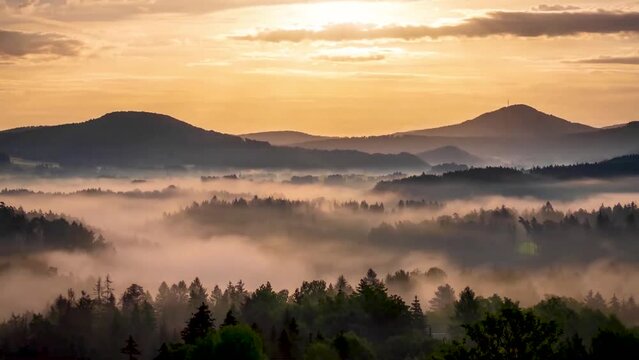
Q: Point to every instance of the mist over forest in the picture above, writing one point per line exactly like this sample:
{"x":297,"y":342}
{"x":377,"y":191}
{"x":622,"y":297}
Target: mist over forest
{"x":284,"y":229}
{"x":362,"y":257}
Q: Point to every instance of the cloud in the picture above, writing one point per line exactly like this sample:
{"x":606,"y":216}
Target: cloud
{"x":621,"y":60}
{"x":106,"y":10}
{"x":18,"y":44}
{"x":544,"y":7}
{"x":521,"y":24}
{"x":351,"y":58}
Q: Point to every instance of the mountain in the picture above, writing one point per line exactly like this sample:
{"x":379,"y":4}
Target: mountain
{"x":511,"y":121}
{"x":283,"y":138}
{"x":148,"y":140}
{"x":449,"y":154}
{"x":562,"y":142}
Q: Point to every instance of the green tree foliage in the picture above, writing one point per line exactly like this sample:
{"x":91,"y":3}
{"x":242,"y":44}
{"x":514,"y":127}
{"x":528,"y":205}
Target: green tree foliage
{"x":510,"y":334}
{"x":237,"y":342}
{"x":468,"y":307}
{"x":351,"y":347}
{"x":320,"y":351}
{"x":317,"y":321}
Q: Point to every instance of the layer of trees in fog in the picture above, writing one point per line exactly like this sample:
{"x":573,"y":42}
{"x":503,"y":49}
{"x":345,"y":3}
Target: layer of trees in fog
{"x":22,"y":232}
{"x":167,"y":192}
{"x":318,"y":321}
{"x":277,"y":216}
{"x":540,"y":182}
{"x":507,"y":236}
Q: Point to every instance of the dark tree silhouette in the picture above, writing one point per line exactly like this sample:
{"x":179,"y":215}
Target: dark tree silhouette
{"x":130,"y":349}
{"x":230,"y":319}
{"x":199,"y":325}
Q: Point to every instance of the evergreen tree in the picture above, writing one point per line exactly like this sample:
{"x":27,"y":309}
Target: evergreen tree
{"x":197,"y":294}
{"x":230,"y":319}
{"x":199,"y":325}
{"x":467,"y":308}
{"x":417,"y":314}
{"x":130,"y":349}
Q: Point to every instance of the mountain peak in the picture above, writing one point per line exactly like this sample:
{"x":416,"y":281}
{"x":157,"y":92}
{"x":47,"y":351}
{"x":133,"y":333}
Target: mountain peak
{"x":518,"y":109}
{"x":515,"y":121}
{"x":138,"y":117}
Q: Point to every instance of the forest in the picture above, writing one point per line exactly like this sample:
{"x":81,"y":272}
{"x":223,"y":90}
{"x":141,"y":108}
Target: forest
{"x":505,"y":180}
{"x":22,"y":232}
{"x":319,"y":321}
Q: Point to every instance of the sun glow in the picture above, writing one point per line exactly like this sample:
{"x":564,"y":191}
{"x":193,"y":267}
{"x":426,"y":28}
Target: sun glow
{"x":321,"y":14}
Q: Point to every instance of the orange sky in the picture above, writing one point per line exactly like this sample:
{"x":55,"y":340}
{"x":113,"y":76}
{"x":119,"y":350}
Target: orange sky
{"x":336,"y":68}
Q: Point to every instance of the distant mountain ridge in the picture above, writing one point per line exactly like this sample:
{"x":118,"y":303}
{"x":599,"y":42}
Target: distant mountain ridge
{"x":449,"y":154}
{"x":149,"y":140}
{"x":547,"y":140}
{"x":511,"y":121}
{"x":283,"y":138}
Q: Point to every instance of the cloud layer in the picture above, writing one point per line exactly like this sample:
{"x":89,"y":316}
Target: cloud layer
{"x":619,"y":60}
{"x":521,"y":24}
{"x":18,"y":44}
{"x":107,"y":10}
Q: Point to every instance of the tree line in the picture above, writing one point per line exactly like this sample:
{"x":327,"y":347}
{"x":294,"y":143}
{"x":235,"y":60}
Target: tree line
{"x":316,"y":321}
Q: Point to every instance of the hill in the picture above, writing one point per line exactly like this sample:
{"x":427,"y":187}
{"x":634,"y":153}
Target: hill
{"x":449,"y":154}
{"x":283,"y":138}
{"x":627,"y":165}
{"x":511,"y":121}
{"x":148,"y":140}
{"x":509,"y":181}
{"x":544,"y":148}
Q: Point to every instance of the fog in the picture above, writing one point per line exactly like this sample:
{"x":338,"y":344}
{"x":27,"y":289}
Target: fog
{"x":152,"y":241}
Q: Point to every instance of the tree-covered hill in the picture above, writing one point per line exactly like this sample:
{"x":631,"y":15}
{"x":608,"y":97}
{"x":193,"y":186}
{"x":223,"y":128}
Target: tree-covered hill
{"x":22,"y":232}
{"x":147,"y":140}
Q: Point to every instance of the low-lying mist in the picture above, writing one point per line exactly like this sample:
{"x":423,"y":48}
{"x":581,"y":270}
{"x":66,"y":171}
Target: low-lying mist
{"x":175,"y":228}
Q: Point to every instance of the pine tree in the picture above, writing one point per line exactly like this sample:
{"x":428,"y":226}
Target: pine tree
{"x":98,"y":290}
{"x":230,"y":319}
{"x":131,"y":348}
{"x":417,"y":314}
{"x":615,"y":305}
{"x":199,"y":325}
{"x":197,"y":294}
{"x":467,"y":309}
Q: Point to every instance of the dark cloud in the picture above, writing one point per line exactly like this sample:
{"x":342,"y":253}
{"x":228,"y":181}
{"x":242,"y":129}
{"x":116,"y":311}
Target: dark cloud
{"x":18,"y":44}
{"x":544,"y":7}
{"x":621,"y":60}
{"x":522,"y":24}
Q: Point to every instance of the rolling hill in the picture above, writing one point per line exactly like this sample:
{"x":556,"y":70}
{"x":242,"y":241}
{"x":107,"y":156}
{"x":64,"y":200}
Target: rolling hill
{"x":148,"y":140}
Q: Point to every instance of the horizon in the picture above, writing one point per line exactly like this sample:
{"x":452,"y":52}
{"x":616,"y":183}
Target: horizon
{"x":188,"y":121}
{"x":333,"y":68}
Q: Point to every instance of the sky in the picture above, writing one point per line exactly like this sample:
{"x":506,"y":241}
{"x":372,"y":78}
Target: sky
{"x":323,"y":67}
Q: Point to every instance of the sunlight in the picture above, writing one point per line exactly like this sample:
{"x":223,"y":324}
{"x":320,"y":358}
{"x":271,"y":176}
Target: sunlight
{"x":347,"y":12}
